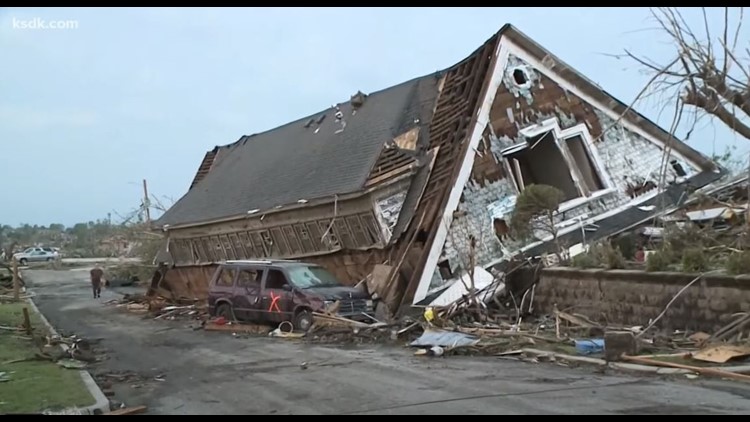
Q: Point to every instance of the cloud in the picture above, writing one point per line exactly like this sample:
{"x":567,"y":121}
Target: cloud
{"x":26,"y":117}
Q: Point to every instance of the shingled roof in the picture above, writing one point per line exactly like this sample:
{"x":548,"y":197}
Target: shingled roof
{"x":304,"y":159}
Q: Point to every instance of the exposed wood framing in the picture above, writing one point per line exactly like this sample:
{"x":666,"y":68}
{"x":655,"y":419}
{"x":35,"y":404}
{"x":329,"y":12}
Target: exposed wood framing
{"x":451,"y":125}
{"x":205,"y":167}
{"x":292,"y":240}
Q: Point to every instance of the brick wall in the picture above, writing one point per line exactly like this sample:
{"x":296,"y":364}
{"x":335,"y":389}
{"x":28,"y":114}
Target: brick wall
{"x":634,"y":297}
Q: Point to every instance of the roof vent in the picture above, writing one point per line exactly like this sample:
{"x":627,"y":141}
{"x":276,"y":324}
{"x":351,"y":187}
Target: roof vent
{"x":309,"y":123}
{"x":358,"y":99}
{"x":320,"y":119}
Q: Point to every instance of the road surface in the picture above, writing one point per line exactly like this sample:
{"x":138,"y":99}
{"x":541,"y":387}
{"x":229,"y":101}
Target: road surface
{"x":213,"y":373}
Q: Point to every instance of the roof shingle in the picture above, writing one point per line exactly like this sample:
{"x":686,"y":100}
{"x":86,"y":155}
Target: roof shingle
{"x":293,"y":162}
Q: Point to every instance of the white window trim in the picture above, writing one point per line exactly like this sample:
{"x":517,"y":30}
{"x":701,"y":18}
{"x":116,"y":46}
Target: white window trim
{"x":518,"y":51}
{"x":560,"y":136}
{"x":576,"y":202}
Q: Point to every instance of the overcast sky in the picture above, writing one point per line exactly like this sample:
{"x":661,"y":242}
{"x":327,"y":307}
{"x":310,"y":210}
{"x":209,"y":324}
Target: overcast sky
{"x":87,"y":113}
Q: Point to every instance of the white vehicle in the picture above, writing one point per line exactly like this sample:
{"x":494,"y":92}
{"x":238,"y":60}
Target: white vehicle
{"x":36,"y":255}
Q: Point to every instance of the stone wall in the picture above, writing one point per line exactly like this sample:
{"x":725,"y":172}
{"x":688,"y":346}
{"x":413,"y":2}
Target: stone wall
{"x":635,"y":297}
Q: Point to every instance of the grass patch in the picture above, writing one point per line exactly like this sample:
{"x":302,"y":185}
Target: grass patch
{"x":34,"y":386}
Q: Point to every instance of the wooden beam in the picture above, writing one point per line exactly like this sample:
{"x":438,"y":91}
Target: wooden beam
{"x":701,"y":370}
{"x":390,"y":174}
{"x":128,"y":411}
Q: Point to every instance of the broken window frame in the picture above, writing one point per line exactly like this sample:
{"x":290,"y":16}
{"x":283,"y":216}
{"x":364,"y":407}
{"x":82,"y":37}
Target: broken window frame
{"x":560,"y":137}
{"x":239,"y":248}
{"x":227,"y":245}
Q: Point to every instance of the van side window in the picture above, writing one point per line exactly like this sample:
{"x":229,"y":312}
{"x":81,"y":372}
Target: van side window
{"x":250,"y":277}
{"x":226,"y":278}
{"x":275,"y":279}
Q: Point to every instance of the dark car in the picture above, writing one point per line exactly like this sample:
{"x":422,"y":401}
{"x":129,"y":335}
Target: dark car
{"x":277,"y":291}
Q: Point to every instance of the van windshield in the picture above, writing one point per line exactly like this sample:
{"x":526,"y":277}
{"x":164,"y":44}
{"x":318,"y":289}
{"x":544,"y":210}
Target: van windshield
{"x":305,"y":277}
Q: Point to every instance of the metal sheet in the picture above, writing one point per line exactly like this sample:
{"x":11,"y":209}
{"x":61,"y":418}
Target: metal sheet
{"x":482,"y":280}
{"x":444,"y":339}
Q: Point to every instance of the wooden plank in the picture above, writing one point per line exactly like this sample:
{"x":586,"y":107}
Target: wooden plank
{"x":26,"y":321}
{"x":128,"y":411}
{"x":705,"y":371}
{"x":385,"y":176}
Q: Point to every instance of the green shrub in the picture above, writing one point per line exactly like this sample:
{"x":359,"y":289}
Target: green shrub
{"x":600,"y":254}
{"x":658,"y":261}
{"x":626,"y":243}
{"x":584,"y":260}
{"x":738,"y":263}
{"x":694,"y":260}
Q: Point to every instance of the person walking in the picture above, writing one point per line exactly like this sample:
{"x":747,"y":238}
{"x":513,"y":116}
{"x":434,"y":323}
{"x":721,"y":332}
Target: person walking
{"x":96,"y":281}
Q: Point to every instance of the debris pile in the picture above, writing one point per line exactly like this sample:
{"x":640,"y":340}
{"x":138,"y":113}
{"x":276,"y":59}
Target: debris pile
{"x":6,"y":279}
{"x":161,"y":308}
{"x":572,"y":338}
{"x":128,"y":274}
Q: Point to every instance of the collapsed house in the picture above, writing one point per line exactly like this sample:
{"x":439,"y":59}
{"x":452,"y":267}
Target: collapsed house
{"x":402,"y":181}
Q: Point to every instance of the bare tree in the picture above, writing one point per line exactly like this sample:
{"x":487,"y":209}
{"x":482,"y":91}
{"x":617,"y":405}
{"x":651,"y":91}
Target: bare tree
{"x":707,"y":71}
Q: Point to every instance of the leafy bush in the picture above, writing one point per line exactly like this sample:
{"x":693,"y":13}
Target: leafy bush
{"x":627,"y":245}
{"x":584,"y":260}
{"x":659,"y":260}
{"x":738,"y":263}
{"x":612,"y":256}
{"x":694,"y":260}
{"x":600,"y":254}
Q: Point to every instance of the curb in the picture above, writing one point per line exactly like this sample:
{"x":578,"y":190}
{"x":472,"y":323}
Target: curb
{"x":101,"y":404}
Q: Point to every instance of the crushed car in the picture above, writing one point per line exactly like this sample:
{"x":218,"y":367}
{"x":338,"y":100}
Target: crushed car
{"x":274,"y":291}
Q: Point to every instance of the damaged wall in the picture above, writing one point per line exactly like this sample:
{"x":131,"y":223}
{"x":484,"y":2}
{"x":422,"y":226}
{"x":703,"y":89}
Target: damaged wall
{"x":350,"y":267}
{"x":620,"y":165}
{"x":358,"y":223}
{"x":388,"y":210}
{"x":634,"y":297}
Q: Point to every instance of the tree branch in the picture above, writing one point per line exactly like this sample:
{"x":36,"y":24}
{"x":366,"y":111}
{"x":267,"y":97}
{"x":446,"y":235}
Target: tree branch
{"x":711,"y":104}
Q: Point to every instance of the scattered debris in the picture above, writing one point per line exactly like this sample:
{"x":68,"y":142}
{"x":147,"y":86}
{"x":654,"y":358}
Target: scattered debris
{"x":4,"y":377}
{"x":443,"y":338}
{"x":705,"y":371}
{"x":699,"y":338}
{"x":161,"y":308}
{"x":71,"y":364}
{"x":590,"y":346}
{"x":722,"y":353}
{"x":128,"y":411}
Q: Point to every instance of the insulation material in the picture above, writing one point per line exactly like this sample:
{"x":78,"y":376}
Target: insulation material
{"x":388,"y":210}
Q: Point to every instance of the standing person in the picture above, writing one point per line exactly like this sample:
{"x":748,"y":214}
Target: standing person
{"x":96,"y":281}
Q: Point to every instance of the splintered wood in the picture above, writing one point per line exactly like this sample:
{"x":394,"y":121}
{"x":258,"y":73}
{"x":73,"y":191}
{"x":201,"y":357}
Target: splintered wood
{"x":129,"y":411}
{"x":705,"y":371}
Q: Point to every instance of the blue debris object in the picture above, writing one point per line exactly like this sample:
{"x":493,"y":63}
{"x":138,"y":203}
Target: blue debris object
{"x":590,"y":346}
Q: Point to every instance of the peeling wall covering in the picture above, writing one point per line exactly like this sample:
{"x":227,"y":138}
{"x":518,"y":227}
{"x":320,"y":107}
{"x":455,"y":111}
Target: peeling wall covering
{"x":388,"y":210}
{"x":627,"y":157}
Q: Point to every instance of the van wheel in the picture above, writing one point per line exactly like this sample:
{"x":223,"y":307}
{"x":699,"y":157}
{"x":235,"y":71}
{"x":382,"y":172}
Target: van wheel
{"x":225,"y":310}
{"x":303,"y":321}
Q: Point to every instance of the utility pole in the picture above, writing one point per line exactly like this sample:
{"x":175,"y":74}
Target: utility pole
{"x":146,"y":202}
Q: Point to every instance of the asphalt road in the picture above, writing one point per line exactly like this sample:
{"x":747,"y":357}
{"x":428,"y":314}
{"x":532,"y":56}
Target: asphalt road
{"x":215,"y":373}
